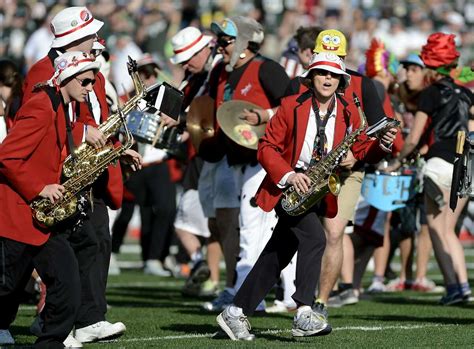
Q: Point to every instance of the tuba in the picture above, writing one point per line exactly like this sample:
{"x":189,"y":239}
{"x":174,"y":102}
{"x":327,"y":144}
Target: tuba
{"x":88,"y":163}
{"x":323,"y":180}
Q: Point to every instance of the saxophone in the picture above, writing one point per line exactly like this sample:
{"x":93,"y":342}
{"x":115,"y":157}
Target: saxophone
{"x":323,"y":180}
{"x":81,"y":170}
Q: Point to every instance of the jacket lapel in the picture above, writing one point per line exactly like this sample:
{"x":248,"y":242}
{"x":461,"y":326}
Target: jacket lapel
{"x":340,"y":127}
{"x":301,"y":117}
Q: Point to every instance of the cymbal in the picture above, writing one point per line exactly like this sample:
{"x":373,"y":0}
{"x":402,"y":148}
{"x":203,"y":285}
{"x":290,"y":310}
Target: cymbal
{"x":200,"y":120}
{"x":228,"y":116}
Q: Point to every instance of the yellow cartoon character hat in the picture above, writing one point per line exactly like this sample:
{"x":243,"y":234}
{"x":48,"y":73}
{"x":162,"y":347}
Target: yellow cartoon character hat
{"x":333,"y":41}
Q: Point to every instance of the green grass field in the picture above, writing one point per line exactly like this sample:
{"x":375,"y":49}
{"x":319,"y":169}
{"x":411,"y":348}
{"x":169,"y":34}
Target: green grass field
{"x":157,"y":316}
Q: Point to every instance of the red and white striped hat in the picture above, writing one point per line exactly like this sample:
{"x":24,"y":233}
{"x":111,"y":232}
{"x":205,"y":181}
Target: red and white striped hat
{"x":70,"y":64}
{"x":71,"y":24}
{"x":330,"y":62}
{"x":186,"y":43}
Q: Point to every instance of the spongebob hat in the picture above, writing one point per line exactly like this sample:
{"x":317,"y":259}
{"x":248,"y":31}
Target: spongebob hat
{"x":333,"y":41}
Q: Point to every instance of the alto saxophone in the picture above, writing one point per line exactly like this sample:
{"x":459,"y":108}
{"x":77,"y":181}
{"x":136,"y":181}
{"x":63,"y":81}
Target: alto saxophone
{"x":81,"y":170}
{"x":323,"y":180}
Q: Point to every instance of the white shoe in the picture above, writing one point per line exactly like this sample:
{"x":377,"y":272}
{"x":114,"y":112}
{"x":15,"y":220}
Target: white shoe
{"x":6,"y":337}
{"x":99,"y":331}
{"x":155,"y":267}
{"x":71,"y":342}
{"x":279,"y":307}
{"x":114,"y":268}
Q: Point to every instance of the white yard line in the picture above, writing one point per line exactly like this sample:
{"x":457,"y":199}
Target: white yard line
{"x":277,"y":331}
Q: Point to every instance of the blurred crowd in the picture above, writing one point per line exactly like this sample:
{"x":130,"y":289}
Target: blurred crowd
{"x":136,"y":26}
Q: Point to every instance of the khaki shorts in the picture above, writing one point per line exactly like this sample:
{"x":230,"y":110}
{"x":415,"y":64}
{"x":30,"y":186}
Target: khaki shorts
{"x":350,"y":192}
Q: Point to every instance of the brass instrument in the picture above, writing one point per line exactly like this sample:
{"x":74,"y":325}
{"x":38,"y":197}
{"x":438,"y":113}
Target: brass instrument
{"x":237,"y":129}
{"x":89,"y":163}
{"x":200,"y":120}
{"x":323,"y":180}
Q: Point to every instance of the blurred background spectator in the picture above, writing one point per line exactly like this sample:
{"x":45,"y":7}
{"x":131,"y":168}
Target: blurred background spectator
{"x":136,"y":26}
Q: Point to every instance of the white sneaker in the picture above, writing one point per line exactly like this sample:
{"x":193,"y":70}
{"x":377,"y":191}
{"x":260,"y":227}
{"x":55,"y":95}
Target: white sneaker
{"x":71,"y":342}
{"x":99,"y":331}
{"x":6,"y":337}
{"x":155,"y":267}
{"x":279,"y":307}
{"x":114,"y":268}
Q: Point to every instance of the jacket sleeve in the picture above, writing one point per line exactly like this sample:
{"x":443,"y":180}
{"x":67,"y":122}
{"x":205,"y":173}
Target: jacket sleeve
{"x":29,"y":129}
{"x":274,"y":142}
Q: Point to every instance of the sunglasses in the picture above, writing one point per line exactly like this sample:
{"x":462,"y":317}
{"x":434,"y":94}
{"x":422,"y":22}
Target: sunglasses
{"x":224,"y":42}
{"x":86,"y":82}
{"x":320,"y":72}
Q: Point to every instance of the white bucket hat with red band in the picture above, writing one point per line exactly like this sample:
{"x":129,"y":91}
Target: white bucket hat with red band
{"x":70,"y":64}
{"x":186,"y":43}
{"x":329,"y":62}
{"x":71,"y":24}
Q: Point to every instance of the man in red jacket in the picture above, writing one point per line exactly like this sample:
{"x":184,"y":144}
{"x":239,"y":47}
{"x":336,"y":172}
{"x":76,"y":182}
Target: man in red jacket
{"x":75,"y":28}
{"x":304,"y":130}
{"x":30,"y":168}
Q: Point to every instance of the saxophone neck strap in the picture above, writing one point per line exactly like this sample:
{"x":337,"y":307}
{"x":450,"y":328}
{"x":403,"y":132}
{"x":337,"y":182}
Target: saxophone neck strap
{"x":70,"y":139}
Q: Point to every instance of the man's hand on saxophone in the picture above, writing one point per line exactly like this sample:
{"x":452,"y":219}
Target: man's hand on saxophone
{"x":52,"y":192}
{"x":349,"y":160}
{"x":133,"y":159}
{"x":95,"y":137}
{"x":300,"y":181}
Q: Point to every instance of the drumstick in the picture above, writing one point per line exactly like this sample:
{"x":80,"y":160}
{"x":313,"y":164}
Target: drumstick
{"x":158,"y":132}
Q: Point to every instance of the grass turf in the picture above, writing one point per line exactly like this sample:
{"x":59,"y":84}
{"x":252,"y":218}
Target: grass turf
{"x":157,"y":316}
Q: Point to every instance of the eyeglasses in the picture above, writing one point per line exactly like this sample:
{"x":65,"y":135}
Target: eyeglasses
{"x":86,"y":82}
{"x":224,"y":42}
{"x":321,"y":72}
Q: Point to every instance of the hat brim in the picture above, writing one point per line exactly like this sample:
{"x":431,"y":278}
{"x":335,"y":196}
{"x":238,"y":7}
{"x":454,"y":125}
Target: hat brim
{"x":345,"y":76}
{"x":217,"y":29}
{"x":412,"y":63}
{"x":81,"y":33}
{"x":186,"y":55}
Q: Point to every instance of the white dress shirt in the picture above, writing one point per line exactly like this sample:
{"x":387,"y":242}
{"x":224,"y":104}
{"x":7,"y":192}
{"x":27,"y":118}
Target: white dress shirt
{"x":308,"y":144}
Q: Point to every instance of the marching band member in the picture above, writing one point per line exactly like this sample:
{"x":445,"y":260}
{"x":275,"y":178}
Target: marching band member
{"x":30,"y":167}
{"x":290,"y":145}
{"x":75,"y":28}
{"x":196,"y":54}
{"x":244,"y":75}
{"x":446,"y":108}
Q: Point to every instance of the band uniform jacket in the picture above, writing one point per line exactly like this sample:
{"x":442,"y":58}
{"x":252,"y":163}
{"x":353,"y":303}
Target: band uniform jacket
{"x":44,"y":70}
{"x":280,"y":147}
{"x":30,"y":159}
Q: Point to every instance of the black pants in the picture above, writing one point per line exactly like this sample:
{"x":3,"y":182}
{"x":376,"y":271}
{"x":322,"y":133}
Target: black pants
{"x":225,"y":229}
{"x":92,"y":247}
{"x":156,"y":195}
{"x":57,"y":266}
{"x":303,"y":234}
{"x":119,"y":229}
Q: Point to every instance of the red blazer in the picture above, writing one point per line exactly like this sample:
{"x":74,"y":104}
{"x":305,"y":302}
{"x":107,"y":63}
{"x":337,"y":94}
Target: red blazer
{"x":280,"y":147}
{"x":30,"y":158}
{"x":44,"y":70}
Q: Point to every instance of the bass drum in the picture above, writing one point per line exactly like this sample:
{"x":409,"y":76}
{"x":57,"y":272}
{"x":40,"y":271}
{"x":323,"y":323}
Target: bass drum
{"x":389,"y":191}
